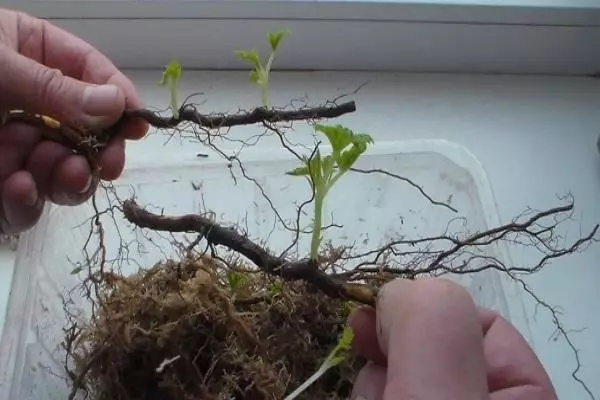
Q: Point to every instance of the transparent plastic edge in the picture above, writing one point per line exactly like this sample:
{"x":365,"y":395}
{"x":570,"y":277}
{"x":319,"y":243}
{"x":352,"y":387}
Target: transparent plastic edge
{"x":20,"y":305}
{"x":18,"y":310}
{"x":463,"y":157}
{"x":456,"y":153}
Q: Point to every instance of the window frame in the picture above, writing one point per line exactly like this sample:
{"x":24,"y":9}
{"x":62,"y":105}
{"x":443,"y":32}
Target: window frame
{"x":337,"y":35}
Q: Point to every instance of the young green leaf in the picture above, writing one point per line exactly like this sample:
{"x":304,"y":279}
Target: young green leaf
{"x":339,"y":136}
{"x":349,"y":157}
{"x":346,"y":309}
{"x":300,"y":171}
{"x":76,"y":270}
{"x":236,"y":280}
{"x":275,"y":288}
{"x":324,"y":172}
{"x":276,"y":37}
{"x":340,"y":352}
{"x":255,"y":77}
{"x":361,"y":138}
{"x":250,"y":56}
{"x":171,"y":74}
{"x":260,"y":74}
{"x":328,"y":166}
{"x":316,"y":172}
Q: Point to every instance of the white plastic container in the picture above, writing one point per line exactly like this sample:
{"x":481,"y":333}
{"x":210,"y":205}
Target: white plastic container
{"x":370,"y":208}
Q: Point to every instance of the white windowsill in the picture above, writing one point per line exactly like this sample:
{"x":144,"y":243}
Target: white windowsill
{"x":339,"y":35}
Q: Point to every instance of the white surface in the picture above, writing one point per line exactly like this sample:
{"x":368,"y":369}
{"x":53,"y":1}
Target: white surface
{"x":536,"y":137}
{"x":337,"y":35}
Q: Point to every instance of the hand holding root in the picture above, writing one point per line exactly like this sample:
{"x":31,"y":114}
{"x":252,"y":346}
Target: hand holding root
{"x":53,"y":76}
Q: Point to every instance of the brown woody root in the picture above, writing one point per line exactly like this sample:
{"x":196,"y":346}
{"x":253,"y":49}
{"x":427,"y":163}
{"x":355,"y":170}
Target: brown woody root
{"x":344,"y":285}
{"x":86,"y":142}
{"x":260,"y":114}
{"x":215,"y":234}
{"x":529,"y":232}
{"x":77,"y":139}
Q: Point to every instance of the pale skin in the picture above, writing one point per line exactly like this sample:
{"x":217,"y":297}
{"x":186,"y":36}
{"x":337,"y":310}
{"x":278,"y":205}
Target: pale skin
{"x":45,"y":70}
{"x":427,"y":340}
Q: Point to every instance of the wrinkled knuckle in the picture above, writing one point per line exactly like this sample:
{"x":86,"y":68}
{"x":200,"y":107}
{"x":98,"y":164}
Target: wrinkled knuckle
{"x":48,"y":82}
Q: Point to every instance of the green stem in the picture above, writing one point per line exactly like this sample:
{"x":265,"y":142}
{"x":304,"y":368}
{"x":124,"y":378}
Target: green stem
{"x":335,"y":178}
{"x":264,"y":93}
{"x":316,"y":235}
{"x":265,"y":86}
{"x":312,"y":379}
{"x":174,"y":106}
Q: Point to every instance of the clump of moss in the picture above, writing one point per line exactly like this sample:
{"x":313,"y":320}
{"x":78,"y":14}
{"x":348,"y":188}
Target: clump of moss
{"x":192,"y":329}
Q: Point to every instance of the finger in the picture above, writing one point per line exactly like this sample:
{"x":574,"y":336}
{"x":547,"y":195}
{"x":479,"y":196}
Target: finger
{"x":29,"y":85}
{"x":50,"y":45}
{"x":363,"y":322}
{"x":369,"y":383}
{"x":60,"y":176}
{"x":20,"y":136}
{"x":430,"y":332}
{"x":513,"y":369}
{"x":16,"y":141}
{"x":11,"y":160}
{"x":56,"y":48}
{"x":72,"y":181}
{"x":112,"y":159}
{"x":21,"y":205}
{"x":42,"y":162}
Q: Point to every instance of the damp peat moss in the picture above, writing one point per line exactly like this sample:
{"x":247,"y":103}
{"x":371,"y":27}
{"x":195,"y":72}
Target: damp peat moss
{"x":190,"y":330}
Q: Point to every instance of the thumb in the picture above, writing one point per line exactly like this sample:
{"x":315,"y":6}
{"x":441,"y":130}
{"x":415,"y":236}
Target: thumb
{"x":28,"y":85}
{"x":432,"y":337}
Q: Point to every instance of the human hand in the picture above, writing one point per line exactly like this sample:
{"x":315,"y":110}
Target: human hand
{"x":45,"y":70}
{"x":428,"y":341}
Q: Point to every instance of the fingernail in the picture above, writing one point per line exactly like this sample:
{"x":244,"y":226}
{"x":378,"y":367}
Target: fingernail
{"x":100,"y":100}
{"x":87,"y":186}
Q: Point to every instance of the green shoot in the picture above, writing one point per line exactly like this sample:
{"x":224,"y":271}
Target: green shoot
{"x":260,"y":73}
{"x":170,"y":77}
{"x":336,"y":357}
{"x":346,"y":309}
{"x":275,"y":288}
{"x":236,"y":280}
{"x":324,"y":172}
